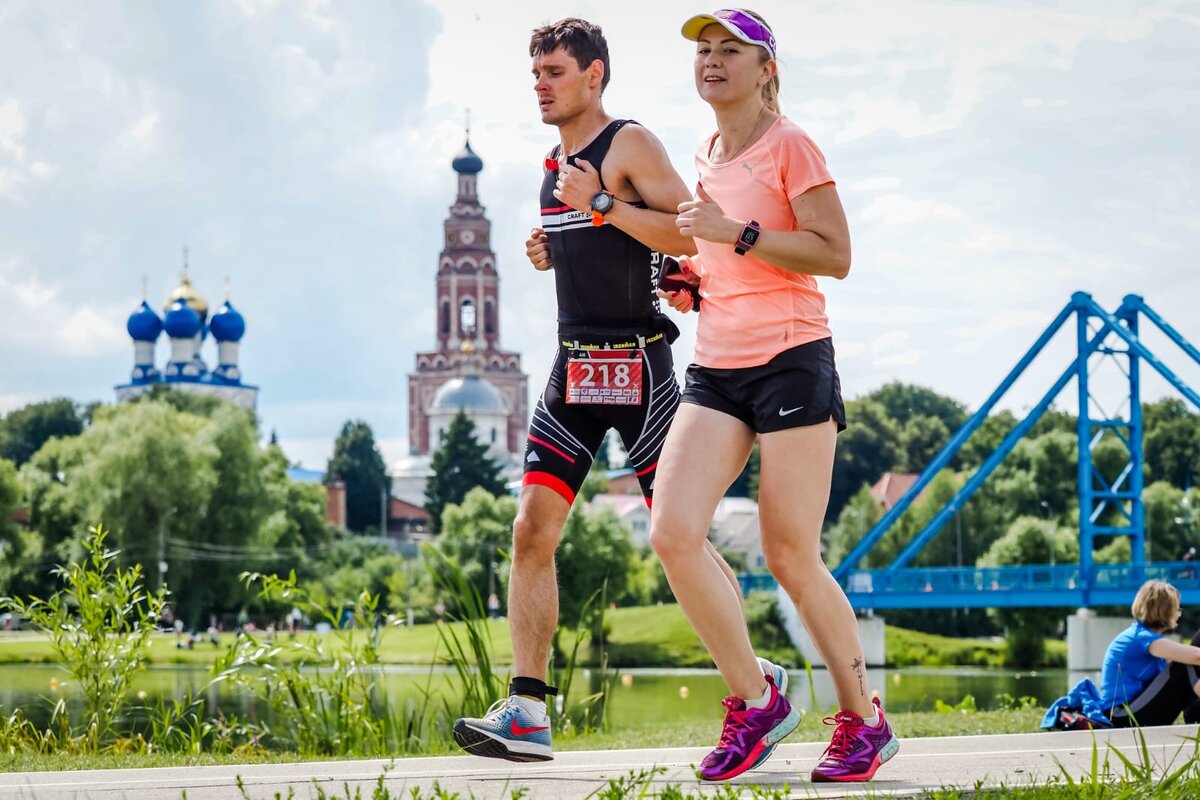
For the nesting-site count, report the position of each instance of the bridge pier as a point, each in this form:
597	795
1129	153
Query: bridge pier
870	629
1088	636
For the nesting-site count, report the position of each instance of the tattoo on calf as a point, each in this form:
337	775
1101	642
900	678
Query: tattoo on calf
857	666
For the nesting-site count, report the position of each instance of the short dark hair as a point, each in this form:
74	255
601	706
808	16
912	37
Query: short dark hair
580	38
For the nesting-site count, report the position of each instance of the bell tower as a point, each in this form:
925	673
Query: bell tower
468	313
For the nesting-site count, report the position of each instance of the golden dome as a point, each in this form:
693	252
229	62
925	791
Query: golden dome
187	293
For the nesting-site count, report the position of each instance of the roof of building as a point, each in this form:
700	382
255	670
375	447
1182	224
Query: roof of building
467	162
144	325
227	325
622	504
469	393
888	490
302	475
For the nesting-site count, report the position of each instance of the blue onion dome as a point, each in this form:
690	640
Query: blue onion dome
181	322
227	325
144	325
466	162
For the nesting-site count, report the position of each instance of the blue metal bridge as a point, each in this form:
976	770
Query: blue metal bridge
1099	335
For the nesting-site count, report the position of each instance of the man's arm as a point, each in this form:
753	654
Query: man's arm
636	168
643	163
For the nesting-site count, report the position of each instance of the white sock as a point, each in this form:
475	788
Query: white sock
537	708
872	721
761	702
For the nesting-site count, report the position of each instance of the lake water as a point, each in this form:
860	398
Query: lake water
642	697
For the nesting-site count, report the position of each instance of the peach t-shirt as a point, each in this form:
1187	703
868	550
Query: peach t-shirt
753	311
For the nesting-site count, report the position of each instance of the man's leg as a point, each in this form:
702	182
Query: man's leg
517	727
532	585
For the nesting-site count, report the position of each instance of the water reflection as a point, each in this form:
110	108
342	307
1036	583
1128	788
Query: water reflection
641	696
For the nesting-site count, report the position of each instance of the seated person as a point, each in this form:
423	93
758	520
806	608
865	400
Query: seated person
1148	679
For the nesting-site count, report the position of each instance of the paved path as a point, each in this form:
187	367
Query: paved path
922	763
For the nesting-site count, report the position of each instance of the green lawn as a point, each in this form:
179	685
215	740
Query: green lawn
650	636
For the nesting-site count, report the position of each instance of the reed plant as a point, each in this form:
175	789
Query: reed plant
326	700
99	625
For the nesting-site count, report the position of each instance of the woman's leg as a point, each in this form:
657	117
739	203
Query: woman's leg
703	455
795	472
1161	702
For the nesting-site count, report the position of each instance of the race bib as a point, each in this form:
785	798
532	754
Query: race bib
605	378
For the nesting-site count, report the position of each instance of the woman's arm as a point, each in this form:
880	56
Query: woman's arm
1175	651
821	246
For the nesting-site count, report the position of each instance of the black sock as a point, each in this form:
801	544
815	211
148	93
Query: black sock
531	687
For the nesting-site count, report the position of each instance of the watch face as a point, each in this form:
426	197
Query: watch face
749	237
602	202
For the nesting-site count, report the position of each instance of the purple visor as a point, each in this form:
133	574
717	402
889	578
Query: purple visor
739	23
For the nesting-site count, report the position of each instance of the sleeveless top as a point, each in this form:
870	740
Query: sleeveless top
604	278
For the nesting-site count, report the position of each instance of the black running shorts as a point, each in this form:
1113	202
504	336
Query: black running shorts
797	388
563	438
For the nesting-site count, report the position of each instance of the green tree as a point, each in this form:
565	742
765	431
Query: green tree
905	401
869	447
1029	541
1172	526
358	463
17	547
25	430
858	515
595	553
1172	443
476	535
194	491
986	438
921	438
460	464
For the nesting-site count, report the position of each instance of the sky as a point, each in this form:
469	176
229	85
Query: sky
992	157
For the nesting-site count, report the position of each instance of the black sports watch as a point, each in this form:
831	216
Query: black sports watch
602	202
747	238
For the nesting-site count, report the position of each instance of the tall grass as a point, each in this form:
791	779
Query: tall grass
480	684
99	625
326	701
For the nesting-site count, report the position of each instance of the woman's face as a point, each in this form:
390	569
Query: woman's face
727	70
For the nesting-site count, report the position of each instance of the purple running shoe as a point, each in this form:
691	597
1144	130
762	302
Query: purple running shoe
857	749
747	732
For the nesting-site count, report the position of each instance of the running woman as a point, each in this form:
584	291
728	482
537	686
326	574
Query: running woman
767	221
608	208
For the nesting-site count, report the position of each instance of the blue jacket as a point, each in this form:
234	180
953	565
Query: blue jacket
1083	698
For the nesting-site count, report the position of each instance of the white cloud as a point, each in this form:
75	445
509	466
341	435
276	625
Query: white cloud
12	129
41	315
144	127
898	209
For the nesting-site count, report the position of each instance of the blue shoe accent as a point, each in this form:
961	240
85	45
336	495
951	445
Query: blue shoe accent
507	731
780	676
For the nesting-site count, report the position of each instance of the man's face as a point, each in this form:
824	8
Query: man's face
562	88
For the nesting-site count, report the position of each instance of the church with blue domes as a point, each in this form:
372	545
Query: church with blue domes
187	326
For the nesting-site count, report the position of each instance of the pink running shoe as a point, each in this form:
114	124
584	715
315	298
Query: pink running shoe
747	733
857	749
